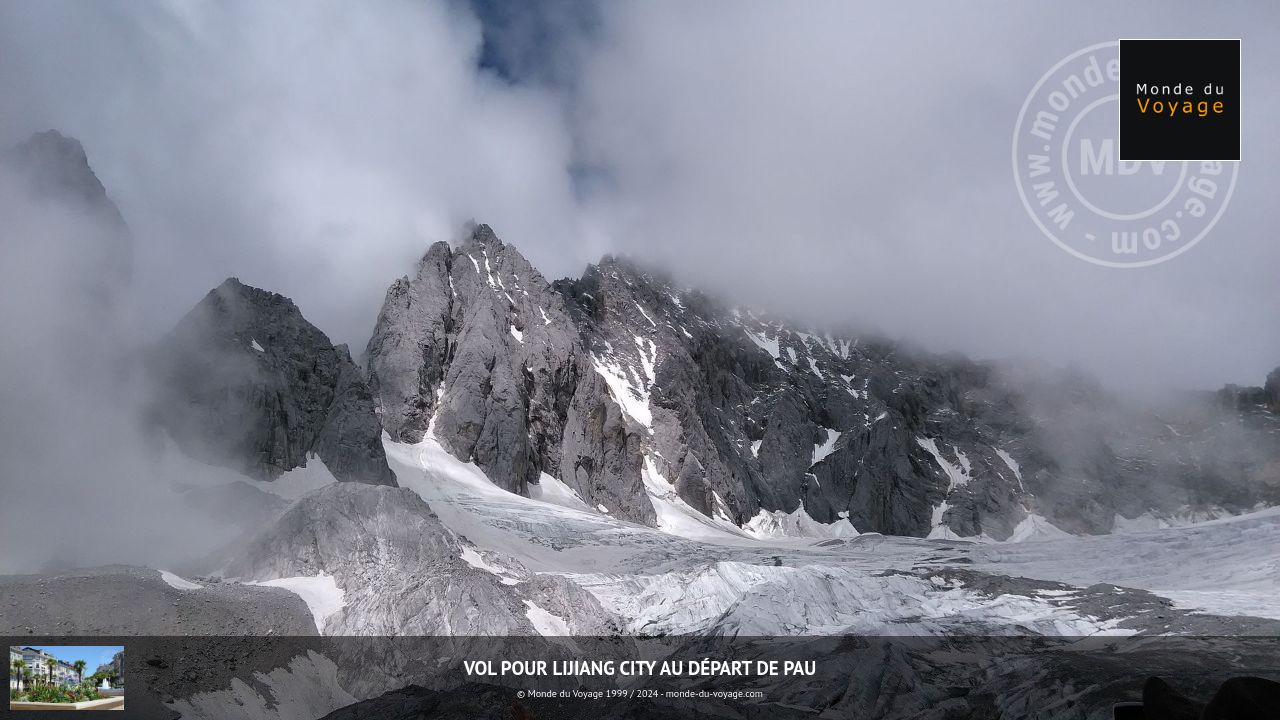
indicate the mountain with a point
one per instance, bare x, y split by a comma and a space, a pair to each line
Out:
653, 402
392, 568
244, 381
54, 170
479, 348
575, 469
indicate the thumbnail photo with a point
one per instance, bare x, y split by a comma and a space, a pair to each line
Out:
66, 677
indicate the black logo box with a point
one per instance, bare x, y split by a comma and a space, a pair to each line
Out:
1187, 68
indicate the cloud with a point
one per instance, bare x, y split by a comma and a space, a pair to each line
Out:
315, 149
836, 162
849, 162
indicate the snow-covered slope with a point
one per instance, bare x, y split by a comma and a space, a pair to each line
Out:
720, 581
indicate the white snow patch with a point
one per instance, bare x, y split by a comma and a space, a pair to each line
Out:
755, 447
1035, 528
826, 448
551, 490
813, 367
602, 508
769, 346
944, 532
254, 344
321, 594
473, 262
648, 357
1013, 465
646, 315
936, 520
301, 480
177, 582
1144, 522
545, 320
476, 560
633, 400
677, 517
494, 284
519, 336
773, 525
546, 623
719, 509
957, 476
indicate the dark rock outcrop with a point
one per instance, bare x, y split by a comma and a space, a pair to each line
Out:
478, 347
244, 381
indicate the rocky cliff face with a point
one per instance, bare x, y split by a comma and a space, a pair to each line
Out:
646, 398
244, 381
478, 348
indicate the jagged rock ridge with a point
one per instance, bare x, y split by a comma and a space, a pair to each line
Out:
244, 381
478, 347
644, 397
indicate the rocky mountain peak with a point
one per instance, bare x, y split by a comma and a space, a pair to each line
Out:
662, 406
54, 169
480, 235
54, 163
245, 381
479, 349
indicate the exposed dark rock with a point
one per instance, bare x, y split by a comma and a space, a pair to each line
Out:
620, 376
244, 381
479, 347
